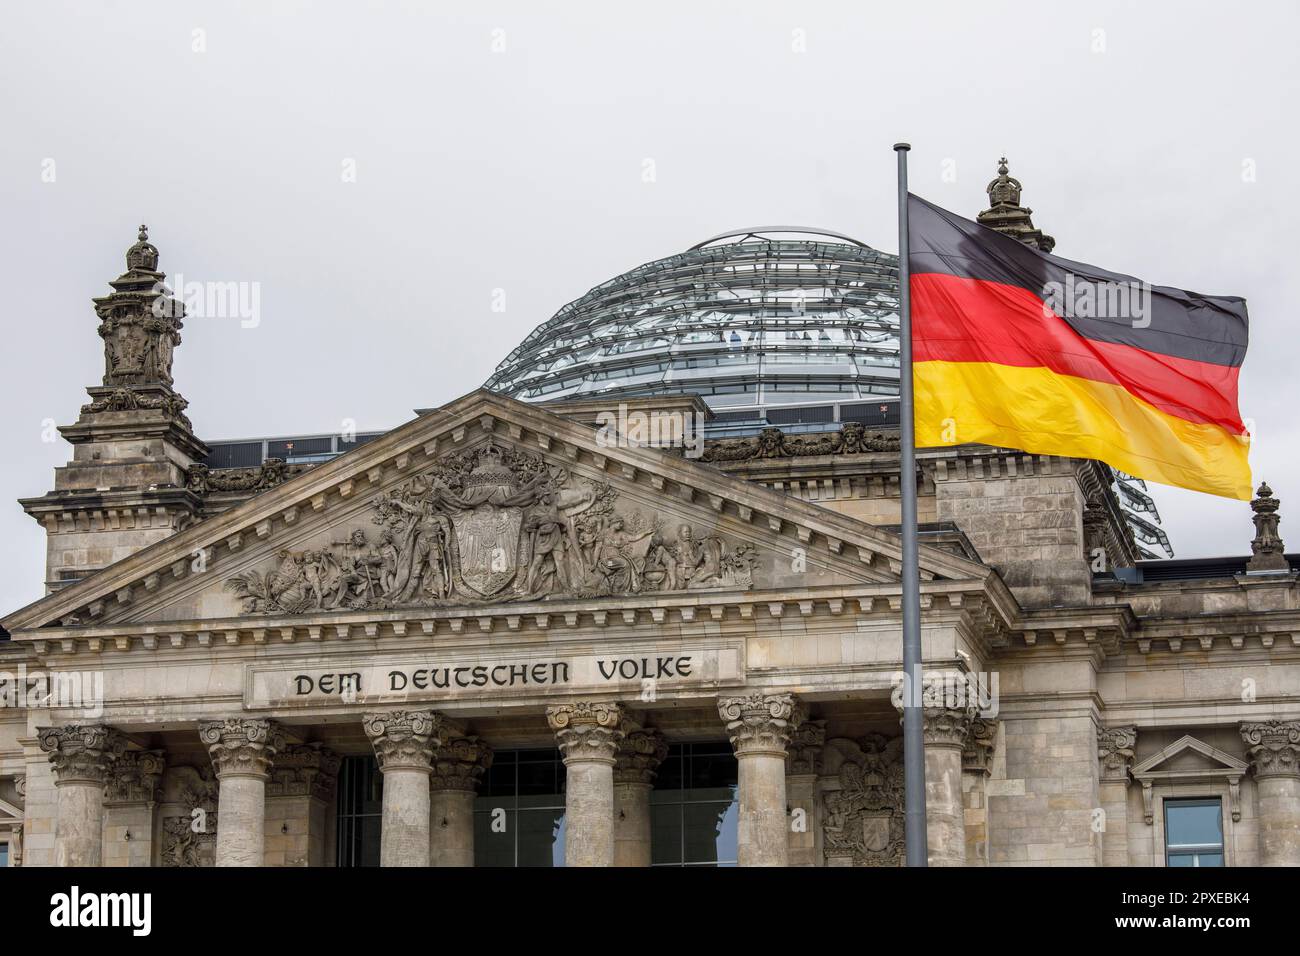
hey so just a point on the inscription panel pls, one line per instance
(525, 674)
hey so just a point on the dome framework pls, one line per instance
(750, 319)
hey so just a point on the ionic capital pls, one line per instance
(805, 748)
(1115, 751)
(587, 731)
(404, 739)
(460, 761)
(242, 746)
(1273, 747)
(639, 755)
(82, 753)
(947, 726)
(760, 723)
(304, 770)
(977, 753)
(134, 777)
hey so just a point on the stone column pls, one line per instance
(588, 735)
(457, 766)
(1115, 753)
(946, 731)
(636, 763)
(242, 750)
(404, 742)
(130, 802)
(801, 772)
(760, 726)
(82, 756)
(976, 758)
(1274, 750)
(298, 797)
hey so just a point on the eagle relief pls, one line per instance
(492, 525)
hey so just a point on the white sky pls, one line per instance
(522, 170)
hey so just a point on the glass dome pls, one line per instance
(750, 319)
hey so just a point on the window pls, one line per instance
(4, 855)
(693, 807)
(1193, 833)
(360, 811)
(519, 814)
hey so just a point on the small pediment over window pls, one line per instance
(1188, 760)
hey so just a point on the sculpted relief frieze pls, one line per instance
(492, 525)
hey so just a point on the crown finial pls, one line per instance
(143, 256)
(1007, 216)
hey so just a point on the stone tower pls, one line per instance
(125, 485)
(1007, 216)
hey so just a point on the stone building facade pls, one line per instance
(366, 660)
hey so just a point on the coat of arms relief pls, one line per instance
(492, 525)
(864, 820)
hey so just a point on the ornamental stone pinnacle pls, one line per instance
(1007, 216)
(1266, 548)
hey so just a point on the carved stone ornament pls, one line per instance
(864, 820)
(1273, 747)
(189, 839)
(977, 753)
(489, 526)
(639, 755)
(852, 439)
(125, 399)
(304, 770)
(460, 762)
(241, 746)
(760, 723)
(1115, 751)
(947, 726)
(140, 322)
(804, 753)
(1266, 548)
(135, 776)
(201, 479)
(587, 730)
(404, 739)
(82, 753)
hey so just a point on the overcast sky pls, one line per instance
(381, 170)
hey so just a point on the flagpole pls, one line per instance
(913, 735)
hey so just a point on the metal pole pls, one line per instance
(913, 736)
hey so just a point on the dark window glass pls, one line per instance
(360, 811)
(693, 807)
(519, 814)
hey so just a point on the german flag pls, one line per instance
(1016, 348)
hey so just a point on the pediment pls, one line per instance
(1189, 757)
(487, 501)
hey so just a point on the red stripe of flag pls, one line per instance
(972, 320)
